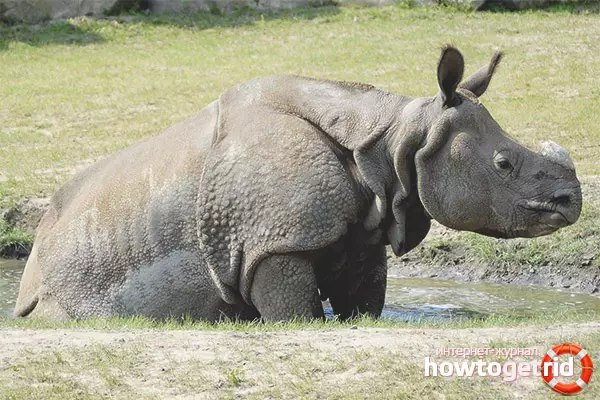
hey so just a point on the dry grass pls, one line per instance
(333, 364)
(76, 91)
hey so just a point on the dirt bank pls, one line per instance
(345, 363)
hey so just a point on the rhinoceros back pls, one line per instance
(130, 212)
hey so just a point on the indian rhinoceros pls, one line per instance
(285, 192)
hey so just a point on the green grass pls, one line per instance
(13, 240)
(76, 91)
(235, 376)
(565, 315)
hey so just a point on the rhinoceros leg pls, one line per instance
(285, 287)
(34, 298)
(367, 295)
(176, 285)
(371, 293)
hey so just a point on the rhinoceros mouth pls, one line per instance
(550, 213)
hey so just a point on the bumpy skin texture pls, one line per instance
(284, 192)
(285, 287)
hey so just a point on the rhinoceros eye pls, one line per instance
(503, 165)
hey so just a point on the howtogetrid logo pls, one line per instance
(557, 373)
(551, 369)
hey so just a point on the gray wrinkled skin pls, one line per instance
(284, 192)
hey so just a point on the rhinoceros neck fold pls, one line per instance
(349, 113)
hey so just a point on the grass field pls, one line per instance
(75, 91)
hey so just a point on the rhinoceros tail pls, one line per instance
(30, 286)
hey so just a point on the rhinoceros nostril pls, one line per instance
(562, 197)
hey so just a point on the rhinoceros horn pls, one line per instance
(557, 154)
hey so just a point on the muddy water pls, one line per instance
(413, 298)
(435, 299)
(10, 276)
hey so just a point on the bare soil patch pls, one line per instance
(340, 363)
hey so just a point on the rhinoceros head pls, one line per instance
(472, 176)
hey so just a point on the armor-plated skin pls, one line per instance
(283, 193)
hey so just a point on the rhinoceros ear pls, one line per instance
(450, 72)
(479, 81)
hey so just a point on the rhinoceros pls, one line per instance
(285, 192)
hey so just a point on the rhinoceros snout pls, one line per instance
(568, 203)
(564, 204)
(561, 209)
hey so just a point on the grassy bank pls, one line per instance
(13, 241)
(76, 91)
(559, 316)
